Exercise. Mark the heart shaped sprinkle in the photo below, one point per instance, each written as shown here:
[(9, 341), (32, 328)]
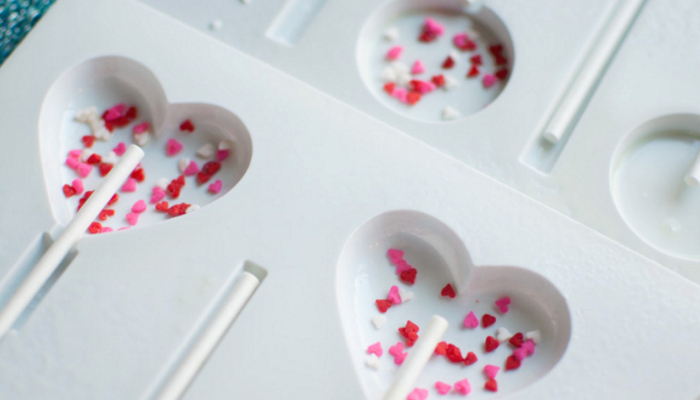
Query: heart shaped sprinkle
[(418, 394), (78, 186), (473, 72), (84, 170), (73, 162), (502, 74), (175, 186), (448, 291), (94, 159), (85, 155), (502, 304), (129, 185), (490, 371), (162, 183), (394, 296), (519, 354), (535, 336), (375, 349), (496, 50), (120, 149), (491, 344), (500, 60), (114, 199), (373, 362), (491, 385), (110, 158), (450, 83), (143, 127), (132, 218), (470, 358), (512, 363), (172, 147), (396, 349), (187, 126), (391, 34), (529, 347), (104, 169), (139, 207), (448, 63), (383, 305), (463, 387), (476, 60), (138, 174), (206, 151), (106, 229), (88, 140), (449, 113), (516, 340), (398, 360), (402, 266), (405, 295), (454, 354), (442, 387), (441, 348), (178, 209), (410, 332), (68, 190), (378, 321), (222, 155), (95, 227), (438, 80), (162, 206), (401, 94), (215, 187), (413, 97), (208, 170), (158, 194), (395, 255), (182, 164), (389, 87), (106, 213), (192, 169), (417, 68), (394, 53), (409, 277), (487, 320), (502, 334), (489, 80)]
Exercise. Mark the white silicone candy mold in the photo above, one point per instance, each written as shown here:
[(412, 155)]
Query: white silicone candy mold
[(434, 249)]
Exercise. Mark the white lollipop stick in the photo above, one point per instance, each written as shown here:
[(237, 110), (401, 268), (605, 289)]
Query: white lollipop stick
[(68, 238), (417, 359), (186, 371), (592, 69), (692, 178)]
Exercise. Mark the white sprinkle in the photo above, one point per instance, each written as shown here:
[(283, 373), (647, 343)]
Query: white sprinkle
[(372, 361), (391, 34), (110, 158), (405, 295), (85, 155), (389, 74), (206, 151), (450, 113), (378, 321), (102, 133), (182, 164), (403, 78), (141, 138), (86, 114), (535, 336), (162, 183), (192, 208), (454, 55), (400, 67), (225, 145), (216, 25), (450, 83), (503, 335)]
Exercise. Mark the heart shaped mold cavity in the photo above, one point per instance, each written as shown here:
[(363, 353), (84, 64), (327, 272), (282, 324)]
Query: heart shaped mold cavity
[(465, 95), (440, 257), (647, 179), (106, 81)]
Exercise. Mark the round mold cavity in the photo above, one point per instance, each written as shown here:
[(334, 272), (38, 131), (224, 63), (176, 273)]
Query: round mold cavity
[(365, 274), (105, 81), (408, 16), (647, 179)]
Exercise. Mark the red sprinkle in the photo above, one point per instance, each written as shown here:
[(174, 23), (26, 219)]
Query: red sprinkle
[(83, 199), (106, 213), (410, 332), (491, 344), (95, 227), (448, 63), (109, 125), (113, 200), (68, 190), (438, 80), (208, 170), (447, 291), (178, 209), (120, 122), (413, 97), (105, 168), (454, 354), (491, 385), (441, 348), (389, 87), (132, 112), (512, 363), (187, 126), (487, 320), (94, 159), (175, 186), (139, 175), (470, 45), (162, 206), (473, 71), (409, 277), (476, 60), (470, 359), (88, 140), (502, 74), (382, 305), (500, 60), (516, 340), (496, 50)]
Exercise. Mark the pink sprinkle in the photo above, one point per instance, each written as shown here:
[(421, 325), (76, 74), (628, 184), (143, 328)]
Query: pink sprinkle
[(442, 387), (425, 87), (139, 207), (115, 112), (491, 371), (140, 128), (129, 185), (460, 40), (132, 218), (394, 296), (172, 147), (84, 170), (489, 80), (75, 153), (401, 94), (375, 349), (120, 149), (73, 162), (463, 387), (78, 185), (471, 321), (418, 394), (394, 53), (396, 350), (433, 27), (123, 228), (528, 347), (417, 68), (503, 303), (519, 354), (221, 155), (106, 229), (402, 266), (158, 194), (398, 360), (215, 187), (395, 255), (192, 169)]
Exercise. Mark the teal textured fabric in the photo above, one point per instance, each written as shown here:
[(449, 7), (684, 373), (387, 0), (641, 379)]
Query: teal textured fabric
[(17, 17)]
